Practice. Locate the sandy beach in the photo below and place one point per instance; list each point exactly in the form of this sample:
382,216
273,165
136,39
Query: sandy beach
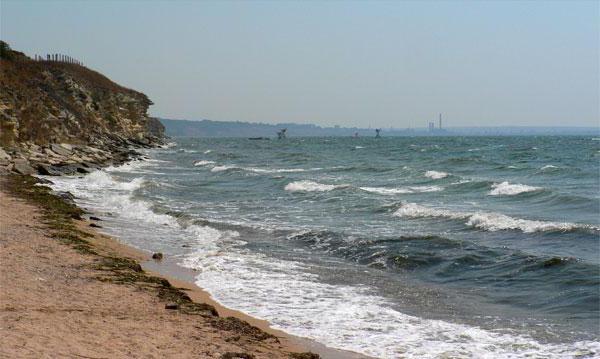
68,291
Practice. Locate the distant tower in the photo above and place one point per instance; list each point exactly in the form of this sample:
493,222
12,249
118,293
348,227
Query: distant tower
440,121
281,134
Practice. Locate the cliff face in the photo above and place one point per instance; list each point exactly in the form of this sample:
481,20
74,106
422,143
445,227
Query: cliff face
62,118
58,102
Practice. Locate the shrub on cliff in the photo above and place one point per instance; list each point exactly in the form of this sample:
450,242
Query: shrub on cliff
5,51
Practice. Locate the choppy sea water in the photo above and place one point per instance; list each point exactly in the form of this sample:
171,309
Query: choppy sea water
392,247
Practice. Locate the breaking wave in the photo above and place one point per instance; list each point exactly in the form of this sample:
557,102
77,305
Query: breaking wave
404,190
223,168
490,221
310,186
436,174
508,189
203,163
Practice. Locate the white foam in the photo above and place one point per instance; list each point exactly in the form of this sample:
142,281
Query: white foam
310,186
402,190
292,299
169,145
207,152
101,179
256,169
436,174
223,168
549,168
203,163
276,170
131,166
488,221
508,189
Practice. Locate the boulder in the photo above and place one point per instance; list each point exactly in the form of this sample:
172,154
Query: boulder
48,170
23,167
58,149
66,196
51,153
66,146
4,155
44,181
157,256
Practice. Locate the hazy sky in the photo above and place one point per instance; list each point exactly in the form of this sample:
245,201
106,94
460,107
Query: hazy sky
346,63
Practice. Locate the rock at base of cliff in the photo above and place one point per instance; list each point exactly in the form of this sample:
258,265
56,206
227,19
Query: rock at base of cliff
23,167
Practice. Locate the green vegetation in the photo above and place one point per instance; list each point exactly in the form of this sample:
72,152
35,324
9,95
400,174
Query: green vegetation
5,51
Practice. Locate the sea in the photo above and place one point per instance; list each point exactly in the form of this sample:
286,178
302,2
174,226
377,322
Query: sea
399,247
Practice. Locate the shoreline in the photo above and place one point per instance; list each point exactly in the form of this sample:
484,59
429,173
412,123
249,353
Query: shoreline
183,278
183,294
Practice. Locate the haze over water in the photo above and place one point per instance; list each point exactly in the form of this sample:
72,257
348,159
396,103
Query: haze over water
477,246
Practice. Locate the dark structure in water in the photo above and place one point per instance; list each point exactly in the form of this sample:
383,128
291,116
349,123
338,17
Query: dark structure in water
377,133
282,133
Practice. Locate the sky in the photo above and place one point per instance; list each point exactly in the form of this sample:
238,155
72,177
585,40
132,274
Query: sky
348,63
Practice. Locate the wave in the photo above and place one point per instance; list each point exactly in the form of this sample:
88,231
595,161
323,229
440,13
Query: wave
168,145
101,179
549,167
404,190
223,168
358,320
490,221
436,174
277,170
203,163
277,290
507,189
310,186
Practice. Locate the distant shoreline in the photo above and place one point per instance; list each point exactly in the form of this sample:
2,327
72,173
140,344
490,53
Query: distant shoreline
208,128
